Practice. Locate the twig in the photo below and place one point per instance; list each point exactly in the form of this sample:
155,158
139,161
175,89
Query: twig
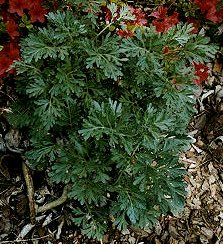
26,240
8,96
60,229
15,150
56,202
30,191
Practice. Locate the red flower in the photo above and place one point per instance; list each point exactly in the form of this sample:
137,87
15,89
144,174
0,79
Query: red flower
201,71
125,33
8,54
18,6
137,13
128,26
37,13
210,10
5,63
162,21
220,15
13,50
160,27
139,16
160,13
12,28
205,5
212,14
172,20
2,1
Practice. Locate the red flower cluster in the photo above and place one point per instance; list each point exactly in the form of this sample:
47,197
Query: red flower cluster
209,8
125,33
130,25
10,51
140,19
201,71
162,21
35,9
11,26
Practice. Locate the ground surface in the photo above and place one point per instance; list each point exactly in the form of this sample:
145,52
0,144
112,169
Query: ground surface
200,222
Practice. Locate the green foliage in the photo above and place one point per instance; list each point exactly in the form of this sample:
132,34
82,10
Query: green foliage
107,56
105,115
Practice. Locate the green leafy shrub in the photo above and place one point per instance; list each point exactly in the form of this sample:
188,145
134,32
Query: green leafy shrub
109,115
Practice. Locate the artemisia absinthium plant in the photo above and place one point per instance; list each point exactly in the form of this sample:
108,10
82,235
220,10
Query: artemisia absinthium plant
106,98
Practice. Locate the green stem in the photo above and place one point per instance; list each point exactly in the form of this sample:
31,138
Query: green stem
106,27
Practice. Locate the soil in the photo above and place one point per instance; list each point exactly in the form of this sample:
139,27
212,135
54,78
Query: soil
201,221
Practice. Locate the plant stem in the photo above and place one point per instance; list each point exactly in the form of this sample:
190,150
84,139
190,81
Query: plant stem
106,27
